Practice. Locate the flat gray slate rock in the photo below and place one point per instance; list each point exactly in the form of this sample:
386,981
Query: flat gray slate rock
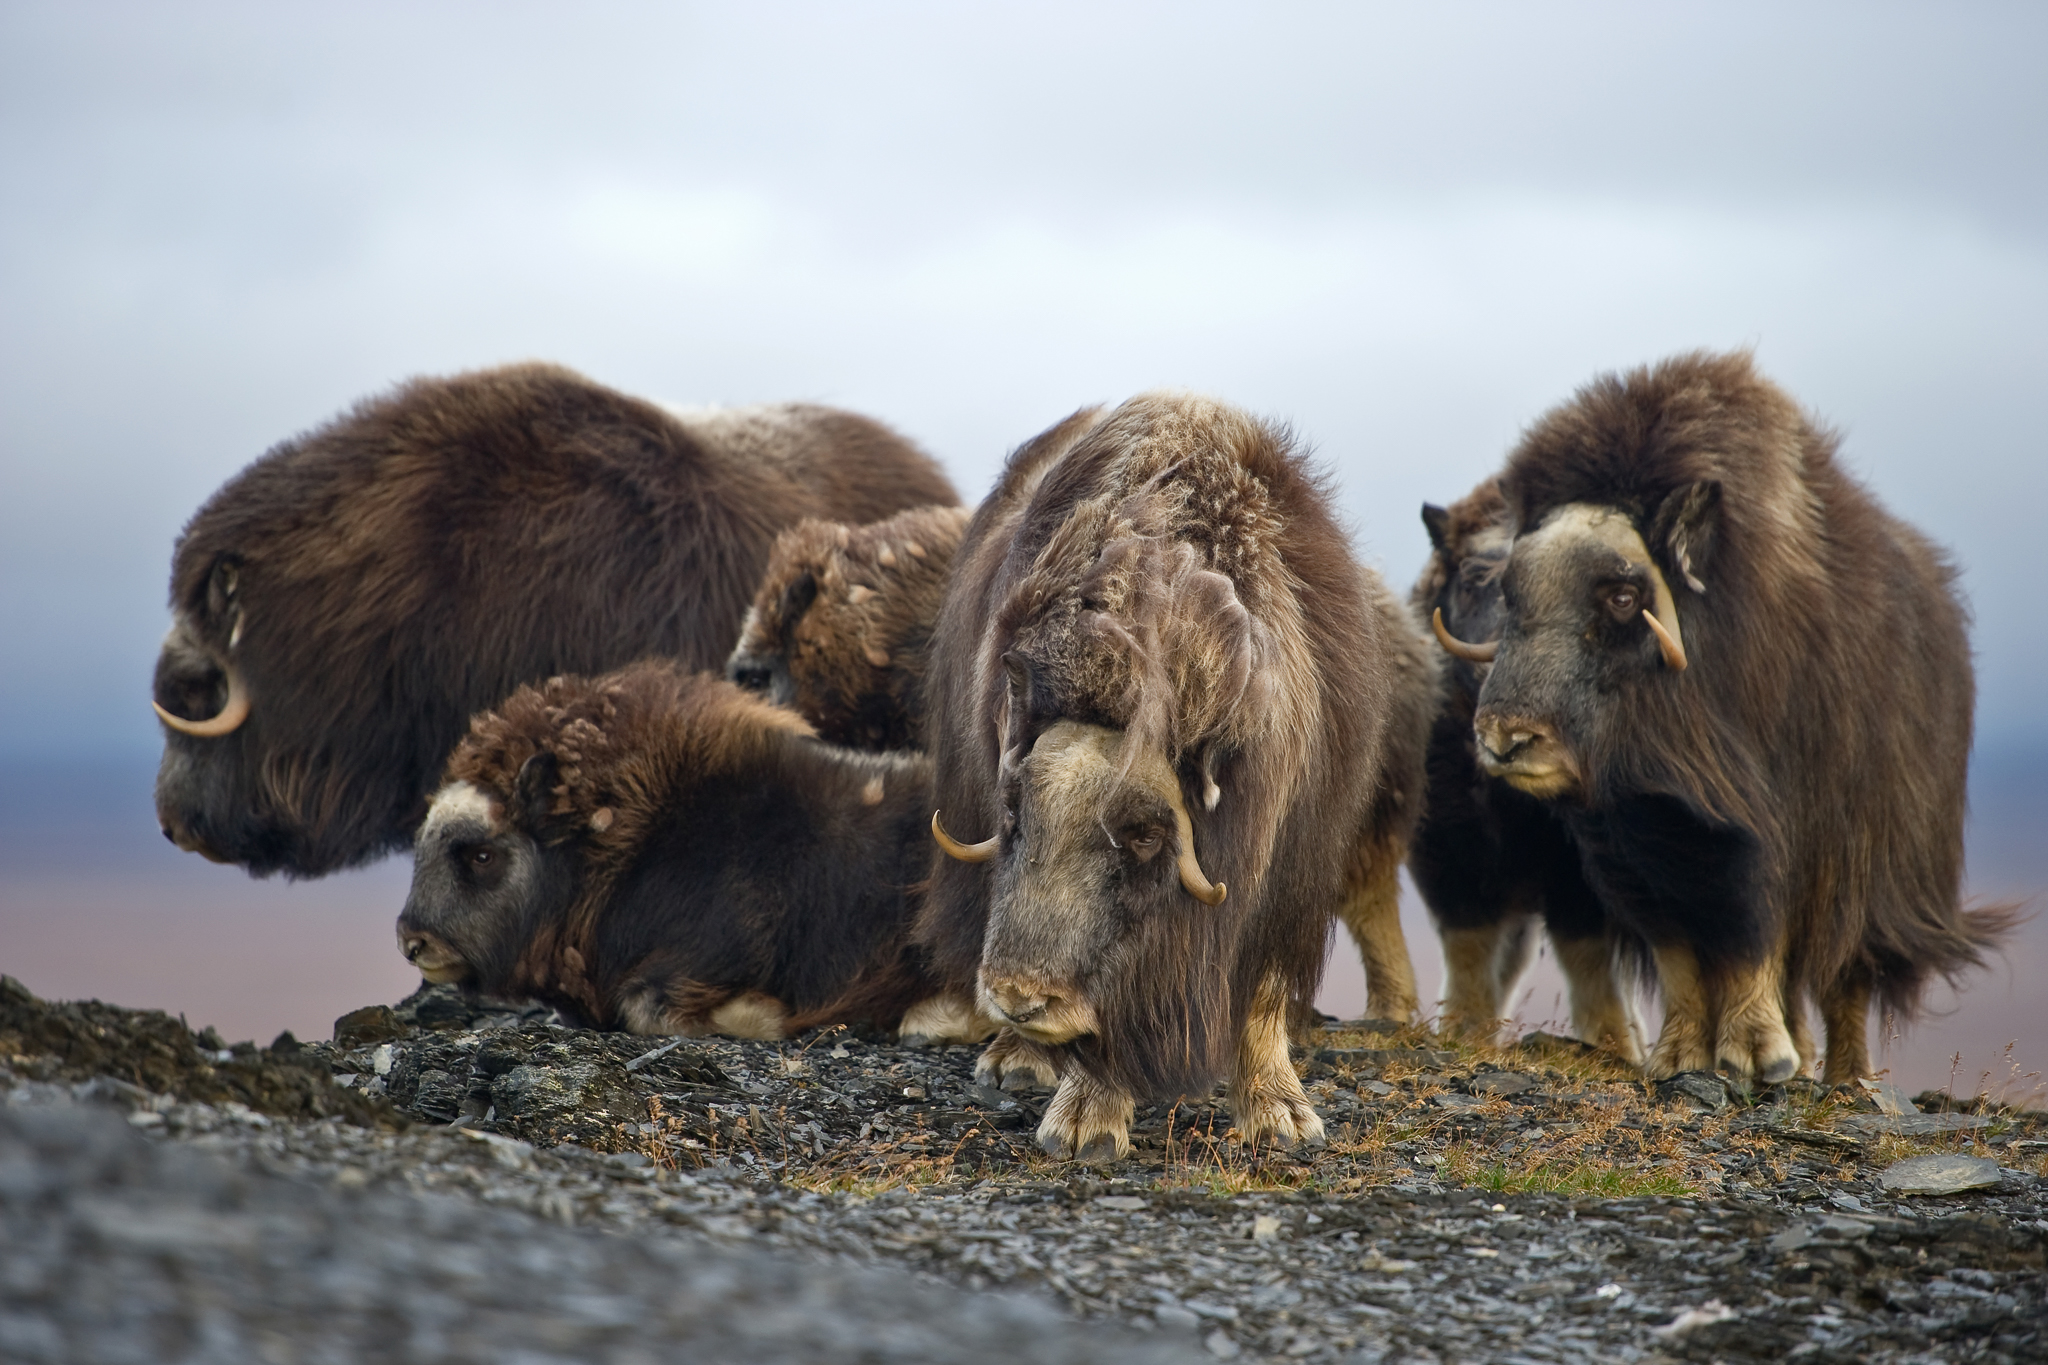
114,1248
1941,1174
1911,1125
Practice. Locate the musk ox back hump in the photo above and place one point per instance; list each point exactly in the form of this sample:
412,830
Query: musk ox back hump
370,585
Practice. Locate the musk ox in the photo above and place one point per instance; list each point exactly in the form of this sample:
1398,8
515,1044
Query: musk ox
841,625
1746,690
343,605
1493,863
1159,704
657,851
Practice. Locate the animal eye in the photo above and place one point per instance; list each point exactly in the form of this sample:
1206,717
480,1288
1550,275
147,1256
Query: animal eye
1144,843
480,857
1622,602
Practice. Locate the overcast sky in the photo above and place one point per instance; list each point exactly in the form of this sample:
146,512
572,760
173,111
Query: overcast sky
1406,231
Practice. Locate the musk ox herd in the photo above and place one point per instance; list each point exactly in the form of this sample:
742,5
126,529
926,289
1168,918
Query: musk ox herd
735,721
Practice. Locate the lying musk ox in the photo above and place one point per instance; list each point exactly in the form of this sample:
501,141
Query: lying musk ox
841,625
1160,690
1747,691
1492,862
658,851
343,605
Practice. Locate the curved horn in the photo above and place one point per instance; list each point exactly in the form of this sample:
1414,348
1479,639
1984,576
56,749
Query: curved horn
227,722
1191,876
1674,652
1472,654
966,853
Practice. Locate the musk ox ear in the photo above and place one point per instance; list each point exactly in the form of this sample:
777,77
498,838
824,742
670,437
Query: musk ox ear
533,791
222,584
1016,704
1686,528
1437,521
797,598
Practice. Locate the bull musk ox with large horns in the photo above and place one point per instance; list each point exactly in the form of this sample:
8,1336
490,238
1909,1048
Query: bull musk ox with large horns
658,851
1160,691
1747,690
840,628
1493,863
343,605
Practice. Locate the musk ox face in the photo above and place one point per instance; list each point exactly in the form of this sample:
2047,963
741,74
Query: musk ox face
226,788
1586,614
480,884
1467,602
1099,842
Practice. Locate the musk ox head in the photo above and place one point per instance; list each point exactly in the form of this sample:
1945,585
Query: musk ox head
1459,591
1586,613
840,626
1103,842
483,884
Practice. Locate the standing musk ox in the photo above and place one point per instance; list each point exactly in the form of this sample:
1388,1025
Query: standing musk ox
1746,689
1161,691
1492,862
840,629
658,851
343,605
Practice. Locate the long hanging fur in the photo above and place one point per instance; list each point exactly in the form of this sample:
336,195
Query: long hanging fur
1174,571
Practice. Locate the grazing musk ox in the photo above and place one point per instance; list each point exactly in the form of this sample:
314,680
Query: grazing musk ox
343,605
1492,862
658,851
1159,691
1747,690
840,628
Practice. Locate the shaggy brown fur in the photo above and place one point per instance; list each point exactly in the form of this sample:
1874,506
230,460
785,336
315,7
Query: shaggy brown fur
1167,576
842,621
685,846
1801,783
378,580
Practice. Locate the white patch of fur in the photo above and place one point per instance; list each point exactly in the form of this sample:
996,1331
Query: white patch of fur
752,1015
872,793
945,1019
458,801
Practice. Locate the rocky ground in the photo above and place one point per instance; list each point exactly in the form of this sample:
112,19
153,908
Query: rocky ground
444,1181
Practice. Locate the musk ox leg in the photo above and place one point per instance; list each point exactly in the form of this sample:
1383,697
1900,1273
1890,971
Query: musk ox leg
1014,1062
1802,1031
1603,1011
1845,1012
1266,1097
1372,912
948,1018
1686,1042
1088,1119
1752,1039
1481,967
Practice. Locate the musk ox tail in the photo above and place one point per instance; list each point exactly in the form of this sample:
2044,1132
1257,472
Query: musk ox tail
1964,942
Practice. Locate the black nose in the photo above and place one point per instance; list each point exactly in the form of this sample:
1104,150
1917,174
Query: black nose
166,830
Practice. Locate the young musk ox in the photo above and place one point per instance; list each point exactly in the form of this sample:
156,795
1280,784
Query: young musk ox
1161,690
1746,689
343,605
658,851
1491,862
841,625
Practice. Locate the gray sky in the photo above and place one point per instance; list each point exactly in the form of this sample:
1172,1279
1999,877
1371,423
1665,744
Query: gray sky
1407,231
